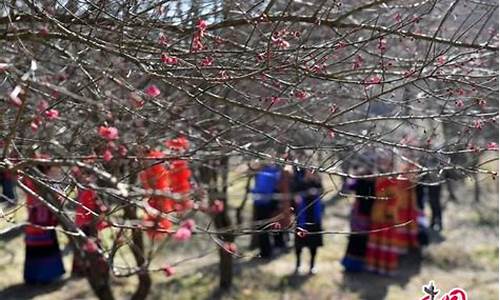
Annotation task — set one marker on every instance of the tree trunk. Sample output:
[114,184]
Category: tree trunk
[137,249]
[225,269]
[98,278]
[215,176]
[477,188]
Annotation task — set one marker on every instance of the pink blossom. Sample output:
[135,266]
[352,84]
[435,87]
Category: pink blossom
[409,73]
[162,39]
[459,103]
[481,103]
[182,234]
[207,61]
[168,270]
[223,75]
[280,43]
[441,60]
[152,91]
[331,134]
[263,56]
[217,207]
[108,133]
[169,60]
[189,224]
[34,126]
[373,80]
[397,17]
[275,100]
[358,62]
[52,114]
[201,25]
[300,94]
[318,68]
[107,155]
[492,146]
[340,45]
[230,247]
[382,45]
[478,124]
[197,44]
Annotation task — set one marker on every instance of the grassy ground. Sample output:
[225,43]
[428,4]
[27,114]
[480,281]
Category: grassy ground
[465,254]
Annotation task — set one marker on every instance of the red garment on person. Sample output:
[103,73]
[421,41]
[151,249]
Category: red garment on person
[38,214]
[157,178]
[88,203]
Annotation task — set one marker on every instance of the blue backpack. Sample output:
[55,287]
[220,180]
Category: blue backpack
[266,184]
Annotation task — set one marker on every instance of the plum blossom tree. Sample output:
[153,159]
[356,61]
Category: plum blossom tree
[140,94]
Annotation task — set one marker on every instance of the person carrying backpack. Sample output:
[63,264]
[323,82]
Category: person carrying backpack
[265,201]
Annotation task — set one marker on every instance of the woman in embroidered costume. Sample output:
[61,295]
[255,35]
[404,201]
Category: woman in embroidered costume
[43,263]
[406,236]
[395,204]
[382,253]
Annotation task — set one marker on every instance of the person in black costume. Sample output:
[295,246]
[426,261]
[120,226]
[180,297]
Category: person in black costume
[309,210]
[354,258]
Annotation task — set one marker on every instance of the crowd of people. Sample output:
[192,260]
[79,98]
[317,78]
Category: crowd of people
[386,220]
[279,191]
[387,217]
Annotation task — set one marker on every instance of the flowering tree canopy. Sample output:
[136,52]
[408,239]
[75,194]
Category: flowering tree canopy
[139,95]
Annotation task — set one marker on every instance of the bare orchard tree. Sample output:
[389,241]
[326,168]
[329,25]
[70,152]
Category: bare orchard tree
[98,85]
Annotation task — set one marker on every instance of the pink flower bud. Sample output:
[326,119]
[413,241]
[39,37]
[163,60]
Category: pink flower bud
[108,133]
[107,155]
[207,61]
[169,60]
[201,25]
[478,124]
[493,146]
[300,94]
[162,39]
[230,247]
[182,234]
[52,114]
[152,91]
[441,60]
[168,270]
